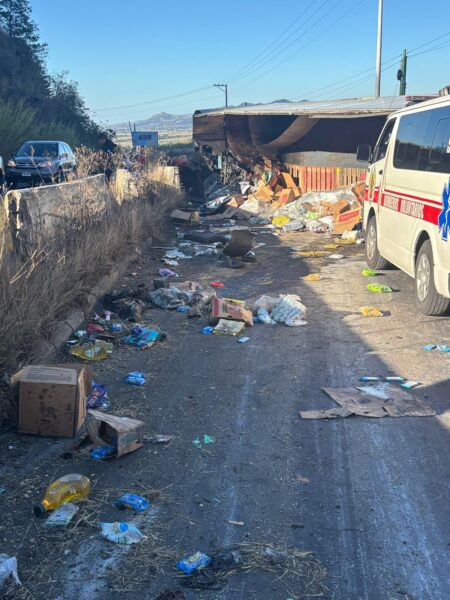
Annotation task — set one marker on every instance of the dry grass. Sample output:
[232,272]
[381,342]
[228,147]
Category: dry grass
[36,293]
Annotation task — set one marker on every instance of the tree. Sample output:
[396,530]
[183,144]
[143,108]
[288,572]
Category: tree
[17,22]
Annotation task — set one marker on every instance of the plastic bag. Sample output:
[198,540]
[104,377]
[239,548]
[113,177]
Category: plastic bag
[297,225]
[289,309]
[370,311]
[8,568]
[98,350]
[135,378]
[264,317]
[122,533]
[280,221]
[266,302]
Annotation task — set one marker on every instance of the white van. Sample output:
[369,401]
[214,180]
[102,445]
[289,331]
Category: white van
[407,208]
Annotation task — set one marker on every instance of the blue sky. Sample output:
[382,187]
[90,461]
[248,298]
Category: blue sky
[141,51]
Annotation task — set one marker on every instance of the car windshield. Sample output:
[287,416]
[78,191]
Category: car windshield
[41,149]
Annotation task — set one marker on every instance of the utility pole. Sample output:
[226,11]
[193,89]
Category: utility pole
[401,73]
[379,48]
[224,88]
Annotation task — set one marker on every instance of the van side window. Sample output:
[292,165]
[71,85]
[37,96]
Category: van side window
[382,146]
[423,141]
[439,158]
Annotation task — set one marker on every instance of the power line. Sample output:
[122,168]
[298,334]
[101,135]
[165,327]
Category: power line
[271,58]
[272,43]
[305,45]
[285,41]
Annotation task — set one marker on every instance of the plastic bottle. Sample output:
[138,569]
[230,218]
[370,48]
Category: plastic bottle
[65,489]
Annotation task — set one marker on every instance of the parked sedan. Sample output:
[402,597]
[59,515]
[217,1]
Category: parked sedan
[41,162]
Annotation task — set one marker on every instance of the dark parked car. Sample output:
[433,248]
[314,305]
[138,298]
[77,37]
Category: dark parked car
[41,162]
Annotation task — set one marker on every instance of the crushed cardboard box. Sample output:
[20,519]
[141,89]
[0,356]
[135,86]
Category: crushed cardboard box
[227,308]
[125,434]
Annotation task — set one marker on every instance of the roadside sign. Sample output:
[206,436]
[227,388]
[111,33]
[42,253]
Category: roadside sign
[144,138]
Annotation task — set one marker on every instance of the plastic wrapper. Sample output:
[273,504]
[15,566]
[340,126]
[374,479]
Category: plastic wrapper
[62,516]
[8,568]
[190,564]
[264,317]
[289,310]
[98,397]
[97,350]
[122,533]
[370,311]
[133,502]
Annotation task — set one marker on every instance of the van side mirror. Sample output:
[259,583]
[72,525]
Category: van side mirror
[363,153]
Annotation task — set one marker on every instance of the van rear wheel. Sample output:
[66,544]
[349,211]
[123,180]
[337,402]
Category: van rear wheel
[373,256]
[428,300]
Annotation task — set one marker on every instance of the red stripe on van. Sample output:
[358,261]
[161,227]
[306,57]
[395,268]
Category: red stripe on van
[419,198]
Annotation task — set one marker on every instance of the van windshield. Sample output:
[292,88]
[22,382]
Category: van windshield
[40,149]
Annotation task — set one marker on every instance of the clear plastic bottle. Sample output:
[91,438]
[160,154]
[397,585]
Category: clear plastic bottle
[65,489]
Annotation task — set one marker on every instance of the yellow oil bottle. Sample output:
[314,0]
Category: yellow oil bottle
[69,488]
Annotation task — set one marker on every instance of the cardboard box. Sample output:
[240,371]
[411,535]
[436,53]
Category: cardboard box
[264,193]
[336,208]
[283,198]
[227,308]
[190,217]
[52,399]
[297,191]
[287,180]
[347,220]
[126,434]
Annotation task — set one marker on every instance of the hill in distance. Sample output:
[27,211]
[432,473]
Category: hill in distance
[160,122]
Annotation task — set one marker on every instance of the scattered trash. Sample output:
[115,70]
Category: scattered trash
[98,398]
[408,385]
[331,246]
[133,502]
[94,328]
[217,284]
[176,255]
[289,310]
[195,562]
[230,309]
[443,348]
[183,309]
[227,327]
[68,488]
[123,433]
[142,338]
[369,378]
[170,262]
[238,523]
[97,350]
[303,480]
[117,327]
[310,253]
[8,569]
[243,340]
[368,273]
[159,438]
[103,452]
[62,516]
[207,439]
[312,277]
[394,378]
[122,533]
[378,287]
[377,401]
[370,311]
[135,378]
[429,347]
[208,330]
[336,256]
[167,273]
[280,221]
[264,317]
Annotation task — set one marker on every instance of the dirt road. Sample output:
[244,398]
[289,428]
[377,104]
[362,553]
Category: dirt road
[368,496]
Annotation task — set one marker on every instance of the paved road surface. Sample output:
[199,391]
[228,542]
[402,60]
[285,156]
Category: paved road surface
[375,510]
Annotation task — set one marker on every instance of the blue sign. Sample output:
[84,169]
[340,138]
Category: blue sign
[144,138]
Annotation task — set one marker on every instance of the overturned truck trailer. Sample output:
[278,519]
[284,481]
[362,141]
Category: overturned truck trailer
[316,141]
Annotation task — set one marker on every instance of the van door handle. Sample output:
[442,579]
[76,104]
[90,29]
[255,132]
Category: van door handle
[380,172]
